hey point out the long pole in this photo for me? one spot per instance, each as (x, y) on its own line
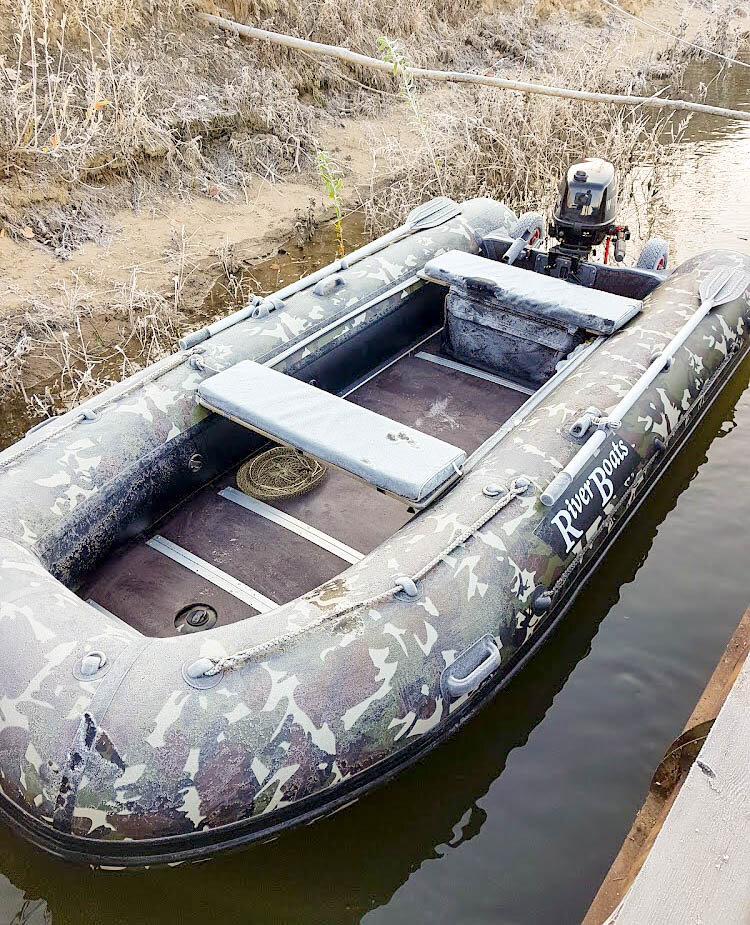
(502, 83)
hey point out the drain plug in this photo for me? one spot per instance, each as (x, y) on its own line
(195, 618)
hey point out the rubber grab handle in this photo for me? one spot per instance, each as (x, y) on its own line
(458, 686)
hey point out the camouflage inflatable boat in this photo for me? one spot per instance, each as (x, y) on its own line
(205, 644)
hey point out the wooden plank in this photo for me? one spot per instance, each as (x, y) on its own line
(651, 816)
(697, 870)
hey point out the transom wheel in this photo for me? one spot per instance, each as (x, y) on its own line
(655, 255)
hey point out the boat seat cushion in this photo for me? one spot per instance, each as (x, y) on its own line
(528, 293)
(388, 455)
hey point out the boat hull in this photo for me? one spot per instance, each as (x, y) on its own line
(340, 689)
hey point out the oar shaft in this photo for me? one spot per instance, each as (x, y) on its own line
(197, 337)
(565, 477)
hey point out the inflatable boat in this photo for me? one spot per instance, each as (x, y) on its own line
(264, 575)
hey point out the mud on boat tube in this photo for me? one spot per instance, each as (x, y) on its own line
(127, 740)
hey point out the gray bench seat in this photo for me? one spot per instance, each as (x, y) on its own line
(534, 294)
(394, 458)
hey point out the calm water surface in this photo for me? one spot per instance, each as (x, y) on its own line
(517, 819)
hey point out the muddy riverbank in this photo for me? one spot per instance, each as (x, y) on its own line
(75, 316)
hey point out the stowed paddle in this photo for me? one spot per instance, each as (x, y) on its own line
(428, 215)
(722, 285)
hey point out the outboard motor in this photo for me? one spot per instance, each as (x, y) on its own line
(584, 217)
(586, 214)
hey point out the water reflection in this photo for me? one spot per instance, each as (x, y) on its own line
(709, 194)
(723, 86)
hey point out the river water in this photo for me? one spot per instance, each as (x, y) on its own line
(517, 818)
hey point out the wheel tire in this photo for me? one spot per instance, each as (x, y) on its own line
(654, 256)
(531, 223)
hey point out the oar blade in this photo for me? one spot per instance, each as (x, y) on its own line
(724, 284)
(711, 286)
(431, 214)
(734, 288)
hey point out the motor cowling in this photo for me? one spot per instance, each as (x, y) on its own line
(586, 212)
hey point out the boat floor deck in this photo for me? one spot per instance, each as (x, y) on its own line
(262, 563)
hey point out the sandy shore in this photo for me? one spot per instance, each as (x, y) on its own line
(154, 242)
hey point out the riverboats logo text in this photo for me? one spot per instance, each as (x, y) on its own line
(585, 500)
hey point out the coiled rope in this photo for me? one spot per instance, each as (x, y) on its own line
(281, 472)
(232, 662)
(671, 35)
(352, 57)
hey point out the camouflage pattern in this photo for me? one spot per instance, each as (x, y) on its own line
(97, 770)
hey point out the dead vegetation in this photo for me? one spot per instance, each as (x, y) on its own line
(722, 26)
(125, 98)
(57, 354)
(129, 91)
(514, 148)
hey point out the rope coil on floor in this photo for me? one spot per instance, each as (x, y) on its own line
(232, 662)
(280, 472)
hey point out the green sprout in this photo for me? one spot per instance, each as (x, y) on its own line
(393, 54)
(333, 181)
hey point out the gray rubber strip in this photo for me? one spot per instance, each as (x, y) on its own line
(215, 575)
(291, 523)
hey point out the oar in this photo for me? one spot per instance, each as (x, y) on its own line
(722, 285)
(428, 215)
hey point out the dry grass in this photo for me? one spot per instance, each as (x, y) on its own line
(721, 29)
(98, 88)
(81, 101)
(105, 89)
(514, 148)
(71, 108)
(58, 353)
